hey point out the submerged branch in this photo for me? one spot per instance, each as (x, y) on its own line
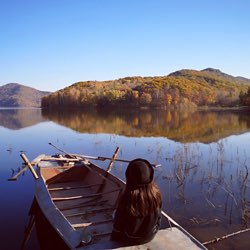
(225, 237)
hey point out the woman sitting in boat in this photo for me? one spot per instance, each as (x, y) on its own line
(138, 215)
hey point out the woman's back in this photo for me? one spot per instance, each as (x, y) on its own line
(137, 217)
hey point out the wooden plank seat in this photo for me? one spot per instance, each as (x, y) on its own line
(65, 187)
(85, 206)
(68, 205)
(84, 196)
(68, 184)
(86, 212)
(92, 223)
(90, 218)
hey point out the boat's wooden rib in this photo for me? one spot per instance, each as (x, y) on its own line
(86, 212)
(84, 205)
(70, 187)
(68, 184)
(64, 167)
(104, 234)
(84, 196)
(93, 218)
(87, 209)
(72, 192)
(86, 224)
(61, 159)
(86, 191)
(66, 205)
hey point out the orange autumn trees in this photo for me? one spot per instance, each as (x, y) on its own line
(186, 87)
(245, 98)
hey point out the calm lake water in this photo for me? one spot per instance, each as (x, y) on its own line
(204, 157)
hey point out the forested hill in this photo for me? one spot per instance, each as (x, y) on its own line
(210, 72)
(209, 87)
(17, 95)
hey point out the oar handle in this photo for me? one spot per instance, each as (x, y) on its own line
(25, 159)
(113, 159)
(70, 155)
(98, 158)
(102, 158)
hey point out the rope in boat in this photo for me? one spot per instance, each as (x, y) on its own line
(225, 236)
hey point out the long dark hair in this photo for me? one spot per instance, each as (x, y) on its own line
(143, 200)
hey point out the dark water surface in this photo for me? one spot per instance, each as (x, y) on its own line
(205, 158)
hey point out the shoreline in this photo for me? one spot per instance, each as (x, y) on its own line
(171, 108)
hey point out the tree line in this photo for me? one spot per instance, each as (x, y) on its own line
(194, 88)
(245, 98)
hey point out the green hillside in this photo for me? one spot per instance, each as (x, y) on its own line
(208, 87)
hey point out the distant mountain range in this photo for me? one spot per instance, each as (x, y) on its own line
(208, 87)
(212, 73)
(17, 95)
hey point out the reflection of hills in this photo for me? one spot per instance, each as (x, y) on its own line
(20, 118)
(176, 125)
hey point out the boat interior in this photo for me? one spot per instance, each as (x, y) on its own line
(86, 195)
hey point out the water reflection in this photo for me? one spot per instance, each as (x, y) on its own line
(20, 118)
(205, 187)
(208, 190)
(183, 126)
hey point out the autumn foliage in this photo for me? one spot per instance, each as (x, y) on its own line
(182, 88)
(245, 98)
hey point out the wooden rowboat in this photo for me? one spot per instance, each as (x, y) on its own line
(78, 199)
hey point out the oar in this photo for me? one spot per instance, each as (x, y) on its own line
(108, 170)
(14, 178)
(98, 158)
(34, 162)
(72, 156)
(113, 159)
(29, 166)
(102, 158)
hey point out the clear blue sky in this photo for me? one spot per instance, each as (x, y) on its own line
(50, 44)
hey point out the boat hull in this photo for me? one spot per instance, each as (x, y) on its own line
(76, 200)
